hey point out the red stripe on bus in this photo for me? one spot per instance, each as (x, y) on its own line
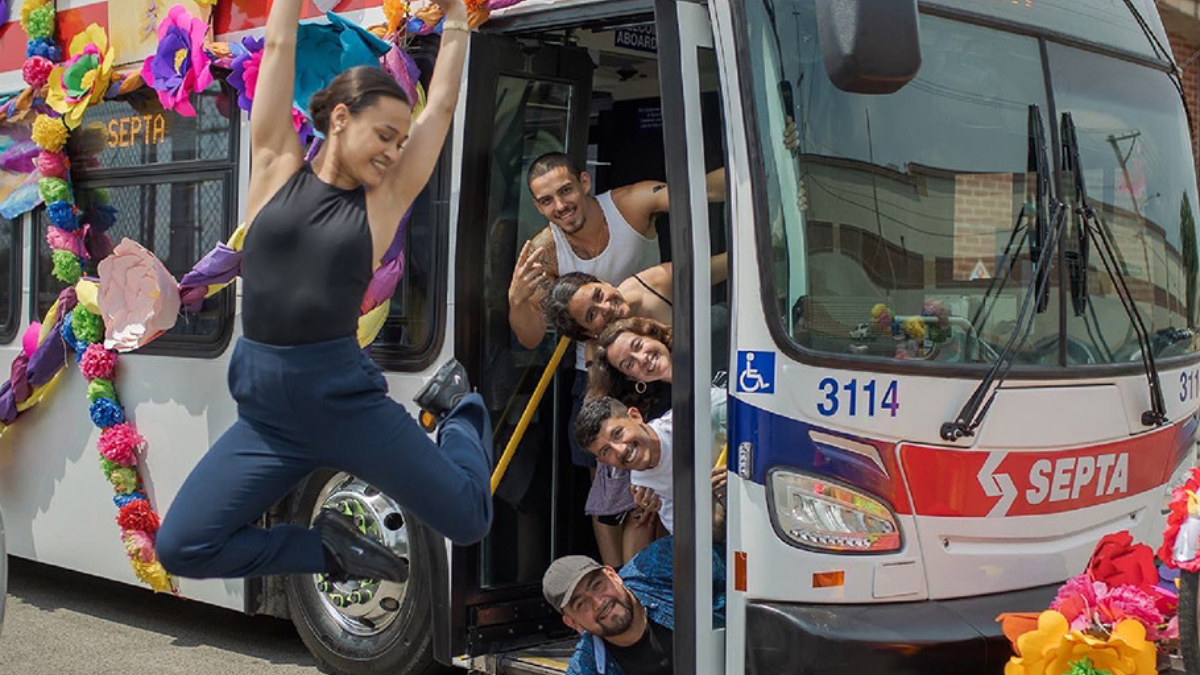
(972, 484)
(249, 14)
(70, 22)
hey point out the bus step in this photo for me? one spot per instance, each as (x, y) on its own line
(549, 659)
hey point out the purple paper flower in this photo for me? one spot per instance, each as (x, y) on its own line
(179, 66)
(244, 75)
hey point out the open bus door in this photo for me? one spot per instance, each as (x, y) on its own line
(524, 97)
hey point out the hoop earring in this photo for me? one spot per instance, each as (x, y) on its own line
(640, 387)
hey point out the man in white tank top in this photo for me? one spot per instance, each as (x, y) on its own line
(610, 236)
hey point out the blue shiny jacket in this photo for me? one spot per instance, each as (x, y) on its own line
(649, 576)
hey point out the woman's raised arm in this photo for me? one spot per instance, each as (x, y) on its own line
(428, 133)
(275, 149)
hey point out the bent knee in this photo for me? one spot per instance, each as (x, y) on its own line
(183, 555)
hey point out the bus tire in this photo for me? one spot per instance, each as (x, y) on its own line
(1189, 637)
(389, 632)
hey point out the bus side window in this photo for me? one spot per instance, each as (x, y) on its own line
(10, 278)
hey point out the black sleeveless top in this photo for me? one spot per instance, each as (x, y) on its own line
(306, 263)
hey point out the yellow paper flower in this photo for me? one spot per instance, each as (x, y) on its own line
(914, 328)
(84, 78)
(1052, 648)
(49, 133)
(152, 574)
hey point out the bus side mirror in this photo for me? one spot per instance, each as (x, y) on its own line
(869, 46)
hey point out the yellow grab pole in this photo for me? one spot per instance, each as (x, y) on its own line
(527, 416)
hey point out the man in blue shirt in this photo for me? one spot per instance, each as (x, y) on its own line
(626, 619)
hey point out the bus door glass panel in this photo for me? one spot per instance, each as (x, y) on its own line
(893, 213)
(523, 99)
(1134, 149)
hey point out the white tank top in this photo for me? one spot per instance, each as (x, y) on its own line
(628, 252)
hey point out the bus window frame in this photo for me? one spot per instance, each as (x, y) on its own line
(10, 324)
(763, 243)
(185, 171)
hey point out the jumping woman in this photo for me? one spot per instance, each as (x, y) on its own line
(307, 395)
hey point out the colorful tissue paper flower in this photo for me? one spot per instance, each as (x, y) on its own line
(1117, 561)
(52, 164)
(1176, 515)
(88, 327)
(107, 466)
(106, 412)
(36, 71)
(84, 78)
(243, 76)
(124, 480)
(1053, 647)
(914, 328)
(66, 240)
(29, 340)
(396, 12)
(325, 50)
(137, 515)
(45, 48)
(119, 443)
(67, 267)
(1086, 602)
(882, 316)
(101, 217)
(54, 190)
(97, 362)
(122, 500)
(49, 133)
(62, 214)
(28, 8)
(179, 66)
(153, 575)
(96, 243)
(139, 545)
(38, 21)
(139, 299)
(100, 388)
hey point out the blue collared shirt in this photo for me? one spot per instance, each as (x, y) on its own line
(650, 577)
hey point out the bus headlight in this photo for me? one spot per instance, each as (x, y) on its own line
(815, 513)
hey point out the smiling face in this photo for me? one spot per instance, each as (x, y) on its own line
(596, 305)
(368, 143)
(640, 358)
(600, 605)
(561, 198)
(626, 443)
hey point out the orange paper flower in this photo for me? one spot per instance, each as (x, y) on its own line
(1052, 648)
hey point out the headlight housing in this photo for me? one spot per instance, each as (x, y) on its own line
(816, 513)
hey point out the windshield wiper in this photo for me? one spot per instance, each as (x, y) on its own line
(1049, 218)
(1092, 230)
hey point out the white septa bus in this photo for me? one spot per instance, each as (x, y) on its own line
(874, 286)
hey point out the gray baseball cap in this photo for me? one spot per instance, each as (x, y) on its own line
(559, 582)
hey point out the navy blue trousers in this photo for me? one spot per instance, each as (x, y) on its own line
(306, 407)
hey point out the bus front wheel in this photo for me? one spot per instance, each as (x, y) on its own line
(362, 626)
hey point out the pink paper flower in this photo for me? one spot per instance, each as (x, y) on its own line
(139, 545)
(179, 66)
(63, 240)
(120, 443)
(36, 71)
(139, 299)
(97, 362)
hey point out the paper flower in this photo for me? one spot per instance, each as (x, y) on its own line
(36, 71)
(66, 240)
(28, 7)
(45, 48)
(84, 78)
(139, 546)
(52, 164)
(62, 214)
(101, 217)
(54, 190)
(106, 412)
(49, 133)
(396, 12)
(1177, 515)
(67, 267)
(882, 316)
(29, 340)
(1085, 603)
(914, 328)
(38, 20)
(179, 66)
(1117, 561)
(119, 443)
(100, 388)
(123, 500)
(1052, 648)
(97, 362)
(325, 50)
(87, 326)
(139, 299)
(152, 574)
(243, 76)
(137, 515)
(124, 480)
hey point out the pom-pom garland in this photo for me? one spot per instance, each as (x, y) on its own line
(124, 480)
(52, 164)
(98, 362)
(67, 267)
(62, 214)
(106, 412)
(45, 48)
(139, 546)
(123, 500)
(54, 190)
(101, 217)
(107, 466)
(100, 388)
(153, 575)
(39, 23)
(36, 71)
(48, 133)
(137, 515)
(119, 443)
(88, 327)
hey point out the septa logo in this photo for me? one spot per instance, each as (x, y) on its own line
(950, 482)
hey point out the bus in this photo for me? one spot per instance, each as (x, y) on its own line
(961, 334)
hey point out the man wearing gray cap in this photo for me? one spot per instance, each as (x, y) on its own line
(626, 619)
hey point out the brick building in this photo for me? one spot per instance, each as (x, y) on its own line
(1181, 18)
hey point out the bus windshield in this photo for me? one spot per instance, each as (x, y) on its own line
(890, 222)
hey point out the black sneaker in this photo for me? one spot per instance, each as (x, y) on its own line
(448, 386)
(357, 555)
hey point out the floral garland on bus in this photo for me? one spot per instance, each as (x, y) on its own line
(93, 318)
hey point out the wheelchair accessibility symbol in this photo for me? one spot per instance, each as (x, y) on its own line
(756, 372)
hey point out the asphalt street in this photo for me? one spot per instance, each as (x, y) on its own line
(63, 623)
